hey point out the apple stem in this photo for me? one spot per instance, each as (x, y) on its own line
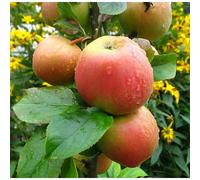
(78, 40)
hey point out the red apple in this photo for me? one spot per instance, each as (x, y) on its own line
(150, 23)
(55, 59)
(80, 9)
(103, 163)
(114, 74)
(49, 11)
(132, 139)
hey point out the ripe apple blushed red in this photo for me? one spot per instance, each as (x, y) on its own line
(132, 138)
(114, 74)
(55, 59)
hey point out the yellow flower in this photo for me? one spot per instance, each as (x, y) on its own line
(183, 66)
(165, 87)
(13, 4)
(40, 16)
(27, 19)
(12, 45)
(167, 133)
(15, 63)
(38, 26)
(20, 36)
(172, 90)
(158, 86)
(38, 38)
(46, 84)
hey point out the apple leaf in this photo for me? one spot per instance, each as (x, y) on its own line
(66, 11)
(66, 25)
(76, 132)
(164, 66)
(69, 169)
(182, 164)
(112, 8)
(41, 105)
(12, 167)
(34, 163)
(112, 172)
(156, 154)
(132, 173)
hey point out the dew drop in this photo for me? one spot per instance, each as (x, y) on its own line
(129, 81)
(137, 102)
(129, 98)
(109, 70)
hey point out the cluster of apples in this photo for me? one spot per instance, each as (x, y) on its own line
(112, 73)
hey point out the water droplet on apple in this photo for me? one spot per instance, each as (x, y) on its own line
(109, 70)
(129, 81)
(137, 102)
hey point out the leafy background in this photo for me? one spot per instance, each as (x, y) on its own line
(170, 102)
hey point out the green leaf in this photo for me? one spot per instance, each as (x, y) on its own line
(66, 25)
(177, 141)
(164, 66)
(182, 164)
(112, 8)
(175, 150)
(114, 170)
(76, 132)
(33, 163)
(168, 100)
(188, 156)
(156, 154)
(12, 168)
(66, 11)
(69, 169)
(41, 105)
(132, 173)
(185, 118)
(180, 135)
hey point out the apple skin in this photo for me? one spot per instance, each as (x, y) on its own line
(49, 11)
(114, 74)
(132, 139)
(81, 10)
(151, 24)
(103, 163)
(54, 60)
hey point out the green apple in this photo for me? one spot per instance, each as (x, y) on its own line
(149, 23)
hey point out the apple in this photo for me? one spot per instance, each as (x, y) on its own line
(80, 9)
(114, 74)
(55, 59)
(103, 163)
(132, 138)
(49, 11)
(150, 23)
